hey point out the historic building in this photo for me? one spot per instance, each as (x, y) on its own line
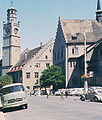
(31, 64)
(27, 67)
(69, 49)
(11, 40)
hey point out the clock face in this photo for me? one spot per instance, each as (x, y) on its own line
(7, 31)
(15, 30)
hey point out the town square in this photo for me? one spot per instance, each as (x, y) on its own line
(50, 60)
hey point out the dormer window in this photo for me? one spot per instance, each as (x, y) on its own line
(74, 37)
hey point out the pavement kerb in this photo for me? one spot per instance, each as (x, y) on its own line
(2, 117)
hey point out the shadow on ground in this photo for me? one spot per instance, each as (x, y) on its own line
(12, 109)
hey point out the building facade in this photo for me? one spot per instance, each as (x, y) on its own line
(69, 49)
(11, 41)
(32, 63)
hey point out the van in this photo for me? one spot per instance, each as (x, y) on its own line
(13, 95)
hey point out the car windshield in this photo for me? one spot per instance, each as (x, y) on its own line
(12, 89)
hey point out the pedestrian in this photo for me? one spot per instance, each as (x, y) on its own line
(62, 95)
(47, 95)
(66, 94)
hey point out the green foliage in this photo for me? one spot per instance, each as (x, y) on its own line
(53, 75)
(5, 80)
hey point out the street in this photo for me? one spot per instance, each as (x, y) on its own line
(53, 108)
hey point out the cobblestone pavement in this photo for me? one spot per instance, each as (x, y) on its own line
(53, 108)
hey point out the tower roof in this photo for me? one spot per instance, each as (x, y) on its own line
(98, 5)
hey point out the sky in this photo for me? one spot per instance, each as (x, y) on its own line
(39, 18)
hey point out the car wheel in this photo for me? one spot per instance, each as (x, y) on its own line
(95, 99)
(82, 98)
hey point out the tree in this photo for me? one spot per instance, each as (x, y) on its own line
(5, 80)
(53, 75)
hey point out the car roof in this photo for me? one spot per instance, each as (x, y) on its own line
(14, 84)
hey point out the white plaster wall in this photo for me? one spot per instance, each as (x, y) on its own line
(31, 65)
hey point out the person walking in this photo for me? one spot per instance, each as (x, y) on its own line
(62, 98)
(66, 93)
(47, 93)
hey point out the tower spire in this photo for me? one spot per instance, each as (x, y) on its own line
(11, 2)
(99, 12)
(98, 5)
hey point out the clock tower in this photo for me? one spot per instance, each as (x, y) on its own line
(11, 40)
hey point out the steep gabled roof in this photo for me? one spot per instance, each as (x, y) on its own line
(75, 30)
(27, 55)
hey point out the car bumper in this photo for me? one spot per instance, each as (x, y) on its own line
(11, 105)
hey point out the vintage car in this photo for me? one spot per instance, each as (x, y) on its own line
(93, 95)
(75, 91)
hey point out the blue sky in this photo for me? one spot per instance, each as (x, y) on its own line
(39, 18)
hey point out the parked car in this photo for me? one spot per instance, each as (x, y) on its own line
(13, 95)
(43, 92)
(79, 91)
(58, 92)
(94, 87)
(92, 95)
(75, 91)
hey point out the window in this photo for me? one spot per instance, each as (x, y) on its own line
(28, 75)
(47, 64)
(46, 57)
(72, 50)
(36, 74)
(12, 12)
(74, 64)
(37, 65)
(75, 50)
(71, 64)
(74, 37)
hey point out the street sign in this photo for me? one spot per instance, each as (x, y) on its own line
(91, 74)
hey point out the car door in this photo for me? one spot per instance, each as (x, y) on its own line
(89, 95)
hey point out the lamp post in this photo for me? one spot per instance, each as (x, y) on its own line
(66, 64)
(85, 71)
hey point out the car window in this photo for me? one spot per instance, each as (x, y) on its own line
(99, 91)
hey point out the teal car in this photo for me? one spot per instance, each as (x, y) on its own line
(13, 95)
